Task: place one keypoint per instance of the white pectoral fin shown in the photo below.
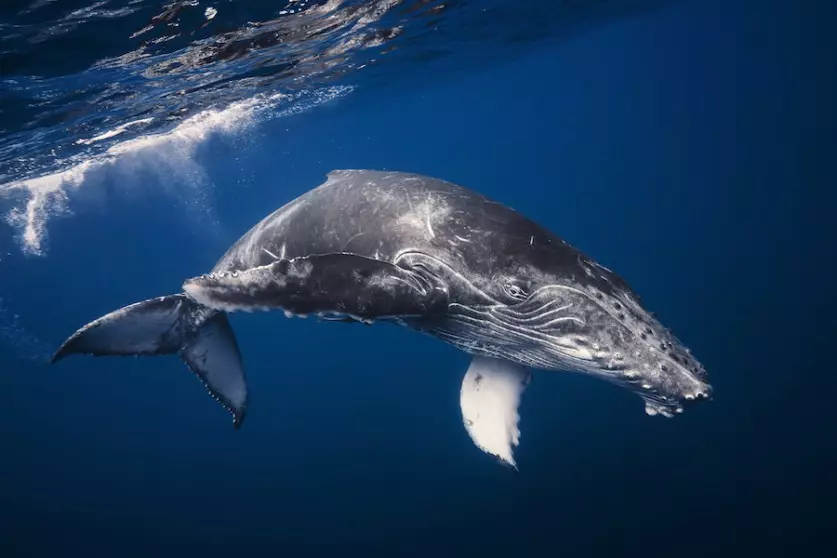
(490, 397)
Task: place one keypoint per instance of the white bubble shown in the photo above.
(169, 155)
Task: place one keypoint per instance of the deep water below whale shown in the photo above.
(690, 149)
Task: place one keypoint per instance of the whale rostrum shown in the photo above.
(374, 246)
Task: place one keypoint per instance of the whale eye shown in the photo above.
(515, 291)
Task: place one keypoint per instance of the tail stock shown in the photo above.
(201, 336)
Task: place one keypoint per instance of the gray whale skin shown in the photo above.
(373, 246)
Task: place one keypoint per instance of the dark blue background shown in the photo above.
(691, 150)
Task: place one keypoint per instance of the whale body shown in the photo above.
(374, 246)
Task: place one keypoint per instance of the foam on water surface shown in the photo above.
(34, 201)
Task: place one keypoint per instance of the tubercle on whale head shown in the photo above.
(653, 363)
(602, 330)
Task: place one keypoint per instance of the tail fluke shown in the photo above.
(202, 337)
(211, 352)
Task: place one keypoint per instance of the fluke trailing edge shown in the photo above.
(432, 256)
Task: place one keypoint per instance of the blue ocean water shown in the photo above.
(687, 145)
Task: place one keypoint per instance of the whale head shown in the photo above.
(607, 334)
(575, 316)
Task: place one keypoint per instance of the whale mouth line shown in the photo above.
(668, 407)
(668, 343)
(556, 332)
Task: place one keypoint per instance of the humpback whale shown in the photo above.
(373, 246)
